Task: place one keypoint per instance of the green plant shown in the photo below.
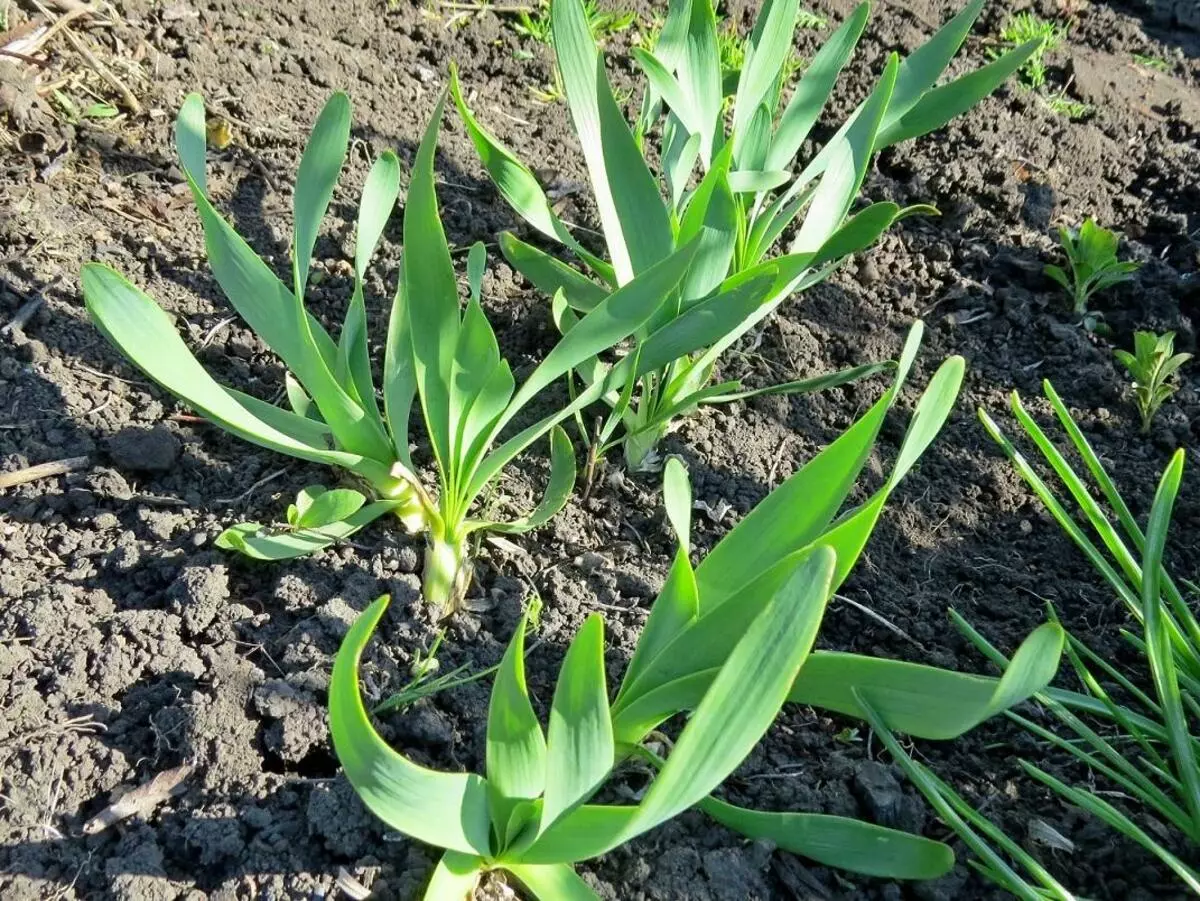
(998, 856)
(1150, 749)
(446, 358)
(1152, 62)
(1092, 258)
(731, 641)
(1062, 105)
(1023, 28)
(1151, 366)
(603, 23)
(740, 207)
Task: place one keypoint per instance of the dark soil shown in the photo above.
(128, 646)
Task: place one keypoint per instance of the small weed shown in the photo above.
(1063, 105)
(1023, 28)
(535, 24)
(1151, 366)
(1151, 62)
(1092, 263)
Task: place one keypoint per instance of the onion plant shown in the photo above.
(731, 641)
(446, 358)
(1133, 730)
(748, 193)
(1153, 756)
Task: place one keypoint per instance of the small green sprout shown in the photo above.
(1151, 366)
(1023, 28)
(1092, 256)
(1062, 105)
(535, 24)
(1152, 62)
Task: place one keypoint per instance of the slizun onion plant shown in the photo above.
(730, 641)
(747, 195)
(446, 359)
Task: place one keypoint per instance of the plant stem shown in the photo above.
(447, 574)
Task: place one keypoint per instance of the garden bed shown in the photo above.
(129, 645)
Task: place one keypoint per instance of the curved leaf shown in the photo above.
(449, 810)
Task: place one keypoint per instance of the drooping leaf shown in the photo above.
(924, 701)
(448, 810)
(839, 842)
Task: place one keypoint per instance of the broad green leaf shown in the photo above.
(713, 217)
(744, 698)
(943, 103)
(589, 831)
(431, 295)
(924, 701)
(847, 168)
(766, 54)
(299, 400)
(864, 228)
(455, 877)
(518, 185)
(254, 290)
(579, 741)
(330, 506)
(320, 166)
(662, 81)
(677, 499)
(448, 810)
(677, 605)
(262, 543)
(558, 490)
(354, 355)
(757, 182)
(550, 276)
(679, 159)
(790, 517)
(516, 747)
(632, 212)
(140, 329)
(476, 360)
(298, 426)
(553, 882)
(839, 842)
(399, 377)
(814, 89)
(378, 199)
(921, 69)
(699, 66)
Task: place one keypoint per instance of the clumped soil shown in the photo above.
(130, 646)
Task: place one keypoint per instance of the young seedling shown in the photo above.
(1092, 260)
(1154, 63)
(604, 23)
(746, 197)
(439, 354)
(1023, 28)
(732, 664)
(1151, 366)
